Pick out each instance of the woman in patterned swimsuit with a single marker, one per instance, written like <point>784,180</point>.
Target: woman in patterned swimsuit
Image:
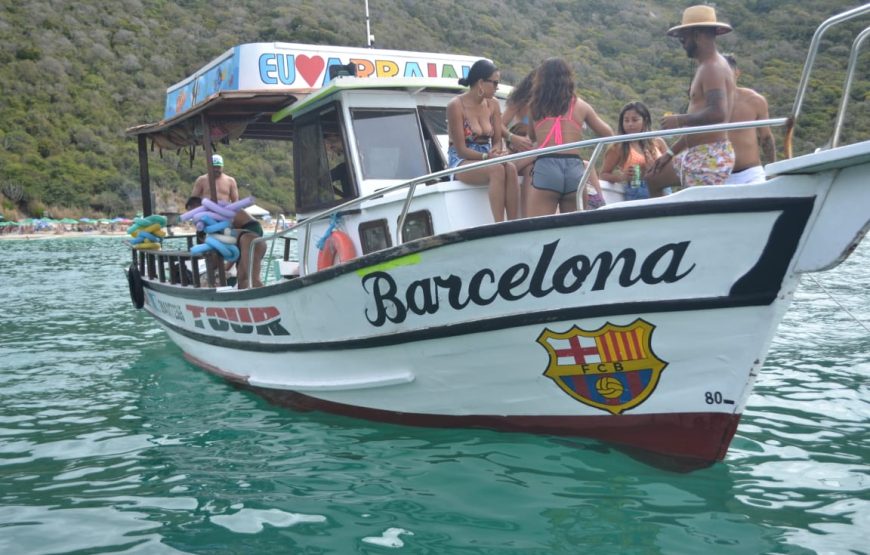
<point>474,126</point>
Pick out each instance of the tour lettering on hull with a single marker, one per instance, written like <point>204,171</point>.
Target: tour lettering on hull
<point>264,320</point>
<point>549,276</point>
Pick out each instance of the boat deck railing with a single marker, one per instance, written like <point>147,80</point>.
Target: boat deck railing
<point>599,144</point>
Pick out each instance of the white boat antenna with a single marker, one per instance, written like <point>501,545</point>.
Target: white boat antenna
<point>370,38</point>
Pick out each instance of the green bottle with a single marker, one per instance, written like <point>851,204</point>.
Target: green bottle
<point>635,177</point>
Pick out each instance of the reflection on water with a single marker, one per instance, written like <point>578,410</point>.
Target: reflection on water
<point>110,441</point>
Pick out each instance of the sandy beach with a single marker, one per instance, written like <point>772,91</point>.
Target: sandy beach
<point>42,235</point>
<point>52,235</point>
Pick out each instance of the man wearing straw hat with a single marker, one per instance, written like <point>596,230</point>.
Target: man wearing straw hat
<point>706,158</point>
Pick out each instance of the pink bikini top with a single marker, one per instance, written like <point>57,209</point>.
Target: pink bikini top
<point>555,133</point>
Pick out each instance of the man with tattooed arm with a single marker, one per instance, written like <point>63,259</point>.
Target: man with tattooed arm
<point>706,158</point>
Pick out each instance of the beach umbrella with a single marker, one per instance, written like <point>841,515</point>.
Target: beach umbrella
<point>69,221</point>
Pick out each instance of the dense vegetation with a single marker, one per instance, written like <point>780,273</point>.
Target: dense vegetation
<point>75,74</point>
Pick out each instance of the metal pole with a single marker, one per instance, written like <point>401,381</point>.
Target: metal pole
<point>847,87</point>
<point>370,38</point>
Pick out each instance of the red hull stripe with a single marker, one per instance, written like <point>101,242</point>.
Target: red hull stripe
<point>681,441</point>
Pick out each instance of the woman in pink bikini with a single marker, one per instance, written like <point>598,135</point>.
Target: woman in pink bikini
<point>475,128</point>
<point>558,116</point>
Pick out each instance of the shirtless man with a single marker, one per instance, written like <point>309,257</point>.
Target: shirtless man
<point>706,158</point>
<point>227,189</point>
<point>749,106</point>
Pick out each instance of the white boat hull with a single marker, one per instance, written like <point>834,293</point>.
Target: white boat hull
<point>508,326</point>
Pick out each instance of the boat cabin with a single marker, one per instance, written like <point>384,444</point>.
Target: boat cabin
<point>355,139</point>
<point>365,123</point>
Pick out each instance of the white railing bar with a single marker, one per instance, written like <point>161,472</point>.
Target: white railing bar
<point>847,86</point>
<point>814,48</point>
<point>411,184</point>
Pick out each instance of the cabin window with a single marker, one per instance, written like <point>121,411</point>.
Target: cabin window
<point>434,121</point>
<point>418,224</point>
<point>323,177</point>
<point>389,143</point>
<point>374,236</point>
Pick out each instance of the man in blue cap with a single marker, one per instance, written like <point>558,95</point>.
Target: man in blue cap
<point>227,189</point>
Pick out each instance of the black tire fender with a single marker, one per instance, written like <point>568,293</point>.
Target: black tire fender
<point>137,292</point>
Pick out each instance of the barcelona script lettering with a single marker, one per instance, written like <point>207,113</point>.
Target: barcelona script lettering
<point>423,296</point>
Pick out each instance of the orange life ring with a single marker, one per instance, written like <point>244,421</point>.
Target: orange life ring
<point>337,249</point>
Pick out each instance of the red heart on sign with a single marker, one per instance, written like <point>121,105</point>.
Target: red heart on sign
<point>309,68</point>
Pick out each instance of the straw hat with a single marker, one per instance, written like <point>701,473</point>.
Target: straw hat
<point>700,16</point>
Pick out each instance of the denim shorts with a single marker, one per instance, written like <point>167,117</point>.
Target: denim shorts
<point>559,173</point>
<point>454,160</point>
<point>636,192</point>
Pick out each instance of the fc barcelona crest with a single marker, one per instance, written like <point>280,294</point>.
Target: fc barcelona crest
<point>612,368</point>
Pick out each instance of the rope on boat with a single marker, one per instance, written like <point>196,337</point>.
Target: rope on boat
<point>334,221</point>
<point>147,232</point>
<point>838,303</point>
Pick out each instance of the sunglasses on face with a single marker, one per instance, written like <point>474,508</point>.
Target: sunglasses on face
<point>494,82</point>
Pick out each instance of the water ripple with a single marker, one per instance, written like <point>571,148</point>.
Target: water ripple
<point>111,442</point>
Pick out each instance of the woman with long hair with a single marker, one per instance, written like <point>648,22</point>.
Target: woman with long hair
<point>517,107</point>
<point>558,116</point>
<point>517,134</point>
<point>474,126</point>
<point>628,162</point>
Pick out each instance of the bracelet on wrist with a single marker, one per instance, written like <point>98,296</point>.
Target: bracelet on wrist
<point>510,136</point>
<point>484,156</point>
<point>670,152</point>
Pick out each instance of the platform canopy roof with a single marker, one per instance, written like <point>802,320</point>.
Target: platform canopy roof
<point>231,115</point>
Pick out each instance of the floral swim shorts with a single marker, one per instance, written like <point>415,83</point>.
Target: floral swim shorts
<point>707,164</point>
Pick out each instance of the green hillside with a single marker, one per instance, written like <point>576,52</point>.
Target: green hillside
<point>74,75</point>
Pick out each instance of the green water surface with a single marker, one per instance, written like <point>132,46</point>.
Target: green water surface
<point>111,443</point>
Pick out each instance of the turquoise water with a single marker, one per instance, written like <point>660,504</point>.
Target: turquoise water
<point>111,443</point>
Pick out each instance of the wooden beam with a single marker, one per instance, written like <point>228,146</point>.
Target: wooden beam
<point>144,176</point>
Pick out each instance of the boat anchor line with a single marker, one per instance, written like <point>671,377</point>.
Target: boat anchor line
<point>838,303</point>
